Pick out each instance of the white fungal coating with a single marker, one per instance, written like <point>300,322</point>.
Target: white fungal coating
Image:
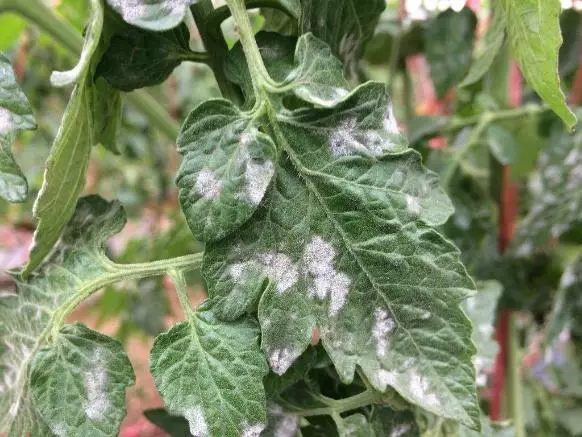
<point>59,430</point>
<point>318,258</point>
<point>196,421</point>
<point>257,179</point>
<point>348,139</point>
<point>383,326</point>
<point>95,380</point>
<point>281,359</point>
<point>412,205</point>
<point>236,271</point>
<point>390,124</point>
<point>386,378</point>
<point>420,390</point>
<point>5,120</point>
<point>280,269</point>
<point>252,430</point>
<point>287,426</point>
<point>400,430</point>
<point>207,185</point>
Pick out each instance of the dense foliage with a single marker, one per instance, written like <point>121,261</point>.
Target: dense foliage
<point>356,267</point>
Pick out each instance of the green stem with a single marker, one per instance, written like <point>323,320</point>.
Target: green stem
<point>341,405</point>
<point>259,75</point>
<point>393,65</point>
<point>514,378</point>
<point>223,12</point>
<point>216,47</point>
<point>182,291</point>
<point>66,35</point>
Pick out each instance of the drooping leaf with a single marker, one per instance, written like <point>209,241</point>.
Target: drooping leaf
<point>156,15</point>
<point>481,309</point>
<point>86,121</point>
<point>227,167</point>
<point>533,28</point>
<point>502,144</point>
<point>175,426</point>
<point>211,373</point>
<point>93,370</point>
<point>556,195</point>
<point>138,58</point>
<point>448,43</point>
<point>387,422</point>
<point>76,267</point>
<point>488,49</point>
<point>345,25</point>
<point>15,115</point>
<point>343,242</point>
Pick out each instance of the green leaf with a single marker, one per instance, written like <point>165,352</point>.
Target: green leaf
<point>76,267</point>
<point>481,309</point>
<point>533,27</point>
<point>448,42</point>
<point>488,49</point>
<point>84,123</point>
<point>355,425</point>
<point>343,241</point>
<point>556,196</point>
<point>387,422</point>
<point>156,15</point>
<point>15,115</point>
<point>502,144</point>
<point>227,167</point>
<point>488,429</point>
<point>137,58</point>
<point>93,371</point>
<point>345,25</point>
<point>211,372</point>
<point>175,426</point>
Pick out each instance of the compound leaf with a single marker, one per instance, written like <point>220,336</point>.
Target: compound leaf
<point>78,383</point>
<point>15,115</point>
<point>211,372</point>
<point>345,25</point>
<point>449,46</point>
<point>227,167</point>
<point>343,242</point>
<point>76,267</point>
<point>156,15</point>
<point>533,27</point>
<point>138,58</point>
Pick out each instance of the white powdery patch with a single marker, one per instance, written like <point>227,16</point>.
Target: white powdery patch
<point>257,179</point>
<point>412,205</point>
<point>5,120</point>
<point>386,378</point>
<point>420,390</point>
<point>348,139</point>
<point>400,430</point>
<point>207,185</point>
<point>196,421</point>
<point>288,426</point>
<point>318,258</point>
<point>331,97</point>
<point>281,359</point>
<point>59,430</point>
<point>236,271</point>
<point>252,430</point>
<point>390,124</point>
<point>383,325</point>
<point>95,381</point>
<point>280,269</point>
<point>130,10</point>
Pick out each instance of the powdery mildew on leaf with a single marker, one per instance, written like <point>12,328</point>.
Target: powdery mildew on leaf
<point>154,15</point>
<point>207,184</point>
<point>196,421</point>
<point>250,430</point>
<point>383,326</point>
<point>95,380</point>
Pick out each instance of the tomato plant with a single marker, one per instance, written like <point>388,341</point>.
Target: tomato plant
<point>365,276</point>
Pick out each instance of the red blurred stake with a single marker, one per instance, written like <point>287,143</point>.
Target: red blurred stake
<point>507,218</point>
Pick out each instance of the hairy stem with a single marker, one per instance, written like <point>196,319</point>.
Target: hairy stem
<point>339,406</point>
<point>42,16</point>
<point>182,291</point>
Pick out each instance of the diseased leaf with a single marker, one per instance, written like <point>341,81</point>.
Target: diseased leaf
<point>156,15</point>
<point>211,372</point>
<point>15,115</point>
<point>281,424</point>
<point>88,120</point>
<point>502,144</point>
<point>345,25</point>
<point>343,243</point>
<point>227,167</point>
<point>556,195</point>
<point>481,309</point>
<point>93,371</point>
<point>137,58</point>
<point>356,425</point>
<point>533,28</point>
<point>488,49</point>
<point>448,43</point>
<point>76,265</point>
<point>387,422</point>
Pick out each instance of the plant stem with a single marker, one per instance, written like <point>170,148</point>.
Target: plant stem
<point>514,378</point>
<point>342,405</point>
<point>259,75</point>
<point>215,45</point>
<point>491,116</point>
<point>66,35</point>
<point>182,291</point>
<point>223,12</point>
